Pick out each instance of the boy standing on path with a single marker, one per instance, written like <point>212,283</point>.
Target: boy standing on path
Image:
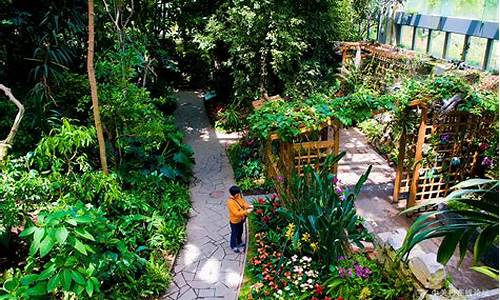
<point>238,210</point>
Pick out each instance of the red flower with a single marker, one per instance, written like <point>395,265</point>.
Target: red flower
<point>327,298</point>
<point>340,298</point>
<point>318,289</point>
<point>314,298</point>
<point>259,211</point>
<point>261,201</point>
<point>273,196</point>
<point>276,204</point>
<point>266,219</point>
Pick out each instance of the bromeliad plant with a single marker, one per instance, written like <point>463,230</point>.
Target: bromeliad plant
<point>323,214</point>
<point>478,213</point>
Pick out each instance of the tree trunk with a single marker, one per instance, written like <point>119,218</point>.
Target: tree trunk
<point>93,89</point>
<point>7,143</point>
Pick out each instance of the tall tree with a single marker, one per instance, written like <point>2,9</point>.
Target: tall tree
<point>93,88</point>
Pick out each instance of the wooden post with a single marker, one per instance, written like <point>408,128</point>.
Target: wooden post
<point>336,145</point>
<point>446,45</point>
<point>414,38</point>
<point>400,167</point>
<point>398,31</point>
<point>465,49</point>
<point>487,54</point>
<point>418,159</point>
<point>428,48</point>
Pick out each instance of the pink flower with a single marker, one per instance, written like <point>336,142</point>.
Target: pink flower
<point>335,180</point>
<point>261,201</point>
<point>280,178</point>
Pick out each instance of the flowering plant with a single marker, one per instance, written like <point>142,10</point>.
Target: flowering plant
<point>323,213</point>
<point>358,277</point>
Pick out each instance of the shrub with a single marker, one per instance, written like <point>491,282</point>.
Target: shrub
<point>316,205</point>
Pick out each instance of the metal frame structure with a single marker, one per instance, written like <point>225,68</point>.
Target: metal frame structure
<point>466,27</point>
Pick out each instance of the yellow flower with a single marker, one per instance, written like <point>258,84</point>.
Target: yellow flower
<point>365,293</point>
<point>290,231</point>
<point>314,247</point>
<point>306,237</point>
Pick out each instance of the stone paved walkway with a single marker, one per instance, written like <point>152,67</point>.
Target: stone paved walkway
<point>206,268</point>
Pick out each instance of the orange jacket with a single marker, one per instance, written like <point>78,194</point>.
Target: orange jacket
<point>237,207</point>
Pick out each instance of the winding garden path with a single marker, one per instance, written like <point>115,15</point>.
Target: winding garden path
<point>205,268</point>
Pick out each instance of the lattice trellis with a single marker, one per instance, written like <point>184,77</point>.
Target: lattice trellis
<point>284,158</point>
<point>438,156</point>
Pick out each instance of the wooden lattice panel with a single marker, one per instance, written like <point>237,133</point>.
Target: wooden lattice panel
<point>284,159</point>
<point>311,154</point>
<point>452,159</point>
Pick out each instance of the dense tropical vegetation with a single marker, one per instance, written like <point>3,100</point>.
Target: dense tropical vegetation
<point>94,173</point>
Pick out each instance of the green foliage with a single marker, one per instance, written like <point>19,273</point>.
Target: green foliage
<point>230,119</point>
<point>249,171</point>
<point>481,215</point>
<point>288,118</point>
<point>73,239</point>
<point>276,47</point>
<point>317,205</point>
<point>140,135</point>
<point>357,277</point>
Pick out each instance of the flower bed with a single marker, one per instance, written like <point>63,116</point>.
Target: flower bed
<point>291,260</point>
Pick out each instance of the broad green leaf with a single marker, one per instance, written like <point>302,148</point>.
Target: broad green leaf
<point>77,278</point>
<point>67,279</point>
<point>46,245</point>
<point>28,231</point>
<point>53,283</point>
<point>28,279</point>
<point>83,219</point>
<point>84,233</point>
<point>71,221</point>
<point>38,290</point>
<point>80,247</point>
<point>89,288</point>
<point>61,234</point>
<point>39,233</point>
<point>485,240</point>
<point>447,247</point>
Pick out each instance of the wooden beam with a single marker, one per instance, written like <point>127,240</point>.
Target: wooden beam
<point>400,167</point>
<point>418,159</point>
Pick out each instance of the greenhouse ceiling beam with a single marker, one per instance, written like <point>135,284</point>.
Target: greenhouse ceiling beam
<point>477,28</point>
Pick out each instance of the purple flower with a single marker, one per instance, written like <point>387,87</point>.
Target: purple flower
<point>338,190</point>
<point>487,162</point>
<point>341,258</point>
<point>366,273</point>
<point>342,198</point>
<point>445,138</point>
<point>349,272</point>
<point>341,272</point>
<point>358,270</point>
<point>335,180</point>
<point>483,147</point>
<point>280,178</point>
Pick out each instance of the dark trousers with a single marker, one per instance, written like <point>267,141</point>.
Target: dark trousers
<point>236,233</point>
